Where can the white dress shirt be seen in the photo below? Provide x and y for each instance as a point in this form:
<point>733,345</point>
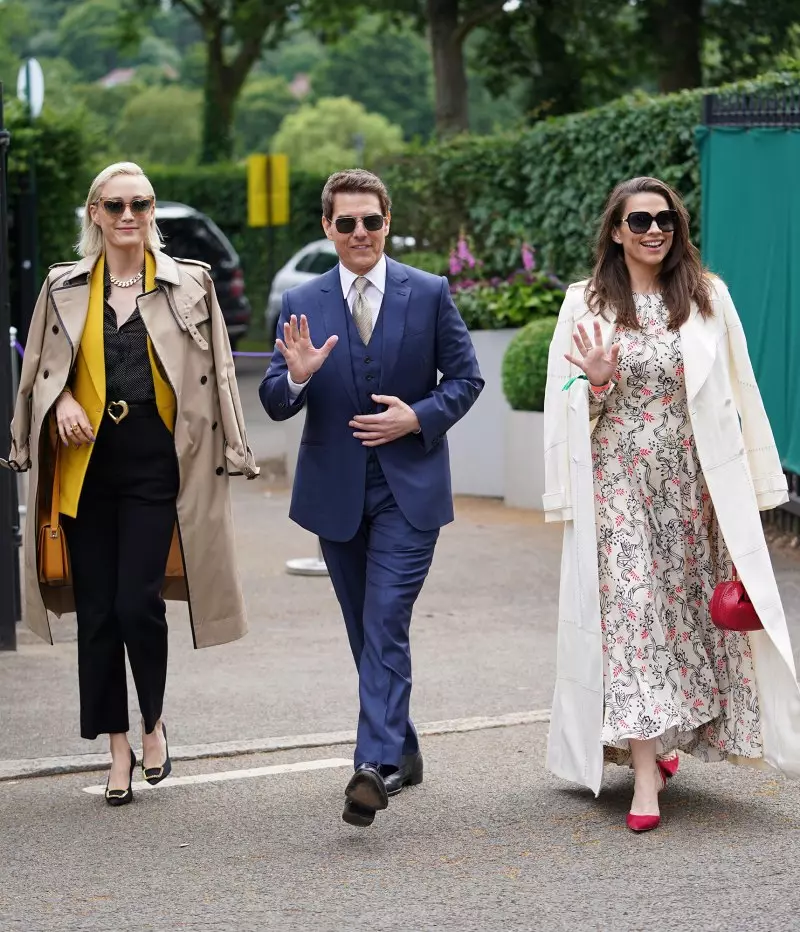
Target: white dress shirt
<point>376,277</point>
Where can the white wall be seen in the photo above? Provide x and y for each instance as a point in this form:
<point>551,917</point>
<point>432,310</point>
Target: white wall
<point>478,441</point>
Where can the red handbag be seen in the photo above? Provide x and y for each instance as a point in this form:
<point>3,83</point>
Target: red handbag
<point>731,608</point>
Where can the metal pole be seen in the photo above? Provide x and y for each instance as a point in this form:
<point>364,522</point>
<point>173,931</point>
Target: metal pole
<point>9,566</point>
<point>28,234</point>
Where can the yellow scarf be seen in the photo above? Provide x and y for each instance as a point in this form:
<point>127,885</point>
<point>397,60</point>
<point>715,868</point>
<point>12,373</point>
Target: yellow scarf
<point>89,385</point>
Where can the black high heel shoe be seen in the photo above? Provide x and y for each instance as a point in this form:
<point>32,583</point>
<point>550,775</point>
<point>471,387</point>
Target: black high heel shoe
<point>122,797</point>
<point>155,775</point>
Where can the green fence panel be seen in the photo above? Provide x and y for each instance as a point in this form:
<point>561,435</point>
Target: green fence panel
<point>751,239</point>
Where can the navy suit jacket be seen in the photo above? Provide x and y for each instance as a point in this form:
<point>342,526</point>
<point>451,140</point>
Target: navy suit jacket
<point>423,334</point>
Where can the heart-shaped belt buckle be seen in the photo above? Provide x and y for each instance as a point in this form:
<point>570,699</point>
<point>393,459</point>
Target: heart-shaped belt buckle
<point>122,407</point>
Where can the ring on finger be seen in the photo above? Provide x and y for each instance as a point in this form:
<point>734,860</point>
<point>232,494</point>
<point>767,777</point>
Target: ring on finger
<point>74,427</point>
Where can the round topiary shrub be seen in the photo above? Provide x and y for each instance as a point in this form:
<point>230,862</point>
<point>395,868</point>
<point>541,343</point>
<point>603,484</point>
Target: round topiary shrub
<point>525,365</point>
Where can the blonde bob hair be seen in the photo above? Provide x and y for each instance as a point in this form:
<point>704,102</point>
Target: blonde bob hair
<point>91,239</point>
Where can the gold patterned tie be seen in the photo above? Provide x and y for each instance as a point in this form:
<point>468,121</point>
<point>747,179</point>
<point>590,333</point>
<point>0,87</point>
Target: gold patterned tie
<point>362,312</point>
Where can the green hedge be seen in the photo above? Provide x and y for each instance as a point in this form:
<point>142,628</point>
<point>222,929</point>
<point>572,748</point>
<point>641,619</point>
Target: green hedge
<point>59,143</point>
<point>547,185</point>
<point>524,369</point>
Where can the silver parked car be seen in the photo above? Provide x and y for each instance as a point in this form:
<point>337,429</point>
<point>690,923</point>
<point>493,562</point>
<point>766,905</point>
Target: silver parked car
<point>314,259</point>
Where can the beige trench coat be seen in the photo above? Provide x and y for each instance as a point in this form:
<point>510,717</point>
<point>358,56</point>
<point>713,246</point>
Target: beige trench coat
<point>743,472</point>
<point>186,327</point>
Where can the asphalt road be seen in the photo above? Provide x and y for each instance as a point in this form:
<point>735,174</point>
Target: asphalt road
<point>490,840</point>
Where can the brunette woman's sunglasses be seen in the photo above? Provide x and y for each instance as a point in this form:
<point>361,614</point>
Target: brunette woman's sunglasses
<point>640,221</point>
<point>372,223</point>
<point>115,206</point>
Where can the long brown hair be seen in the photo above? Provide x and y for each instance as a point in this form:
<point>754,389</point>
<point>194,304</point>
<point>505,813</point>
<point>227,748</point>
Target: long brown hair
<point>682,278</point>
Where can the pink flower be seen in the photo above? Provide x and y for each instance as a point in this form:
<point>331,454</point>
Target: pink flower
<point>455,265</point>
<point>528,257</point>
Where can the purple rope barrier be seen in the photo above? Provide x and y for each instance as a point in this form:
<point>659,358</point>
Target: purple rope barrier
<point>21,350</point>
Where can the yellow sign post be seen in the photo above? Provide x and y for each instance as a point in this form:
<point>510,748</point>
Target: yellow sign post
<point>267,190</point>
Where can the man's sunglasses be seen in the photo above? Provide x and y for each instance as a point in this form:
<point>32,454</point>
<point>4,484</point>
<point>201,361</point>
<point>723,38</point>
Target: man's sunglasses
<point>372,223</point>
<point>640,221</point>
<point>115,206</point>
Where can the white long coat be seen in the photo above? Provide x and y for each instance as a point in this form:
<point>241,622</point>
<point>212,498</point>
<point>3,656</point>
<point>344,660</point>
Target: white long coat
<point>743,473</point>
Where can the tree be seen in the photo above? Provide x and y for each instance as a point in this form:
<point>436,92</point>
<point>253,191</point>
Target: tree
<point>324,137</point>
<point>400,89</point>
<point>569,55</point>
<point>448,24</point>
<point>89,38</point>
<point>160,125</point>
<point>263,105</point>
<point>235,33</point>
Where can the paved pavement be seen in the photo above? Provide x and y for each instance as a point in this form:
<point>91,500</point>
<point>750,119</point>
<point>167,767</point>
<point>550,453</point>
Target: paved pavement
<point>489,841</point>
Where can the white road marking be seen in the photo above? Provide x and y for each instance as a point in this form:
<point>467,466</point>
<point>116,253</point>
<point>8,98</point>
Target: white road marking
<point>233,774</point>
<point>82,763</point>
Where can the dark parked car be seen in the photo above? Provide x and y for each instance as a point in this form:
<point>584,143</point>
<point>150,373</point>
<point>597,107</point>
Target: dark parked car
<point>189,234</point>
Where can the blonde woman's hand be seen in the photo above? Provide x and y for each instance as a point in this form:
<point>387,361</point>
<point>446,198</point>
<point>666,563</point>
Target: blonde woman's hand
<point>73,424</point>
<point>596,364</point>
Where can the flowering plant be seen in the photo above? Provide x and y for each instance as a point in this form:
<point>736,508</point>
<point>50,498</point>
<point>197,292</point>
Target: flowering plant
<point>499,302</point>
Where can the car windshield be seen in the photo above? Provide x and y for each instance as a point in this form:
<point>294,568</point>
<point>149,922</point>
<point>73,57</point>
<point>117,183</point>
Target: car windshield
<point>191,238</point>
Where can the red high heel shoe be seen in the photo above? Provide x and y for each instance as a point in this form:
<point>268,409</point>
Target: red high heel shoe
<point>646,823</point>
<point>642,823</point>
<point>668,767</point>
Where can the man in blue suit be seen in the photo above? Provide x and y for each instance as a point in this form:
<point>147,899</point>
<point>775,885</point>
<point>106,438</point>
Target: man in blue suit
<point>373,472</point>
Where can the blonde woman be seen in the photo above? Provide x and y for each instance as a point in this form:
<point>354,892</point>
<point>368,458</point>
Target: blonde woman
<point>128,399</point>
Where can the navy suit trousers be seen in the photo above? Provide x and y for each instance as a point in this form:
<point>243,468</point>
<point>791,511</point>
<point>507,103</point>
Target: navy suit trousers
<point>377,576</point>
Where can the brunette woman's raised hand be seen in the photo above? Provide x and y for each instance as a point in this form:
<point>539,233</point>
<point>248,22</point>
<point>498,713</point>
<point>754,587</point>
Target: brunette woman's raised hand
<point>597,364</point>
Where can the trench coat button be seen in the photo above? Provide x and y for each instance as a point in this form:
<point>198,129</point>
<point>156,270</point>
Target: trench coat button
<point>55,328</point>
<point>220,470</point>
<point>203,380</point>
<point>46,374</point>
<point>214,426</point>
<point>727,401</point>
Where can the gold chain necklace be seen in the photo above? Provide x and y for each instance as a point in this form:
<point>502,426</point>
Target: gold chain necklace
<point>126,282</point>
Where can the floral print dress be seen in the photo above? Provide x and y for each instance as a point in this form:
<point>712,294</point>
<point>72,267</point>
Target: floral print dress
<point>670,674</point>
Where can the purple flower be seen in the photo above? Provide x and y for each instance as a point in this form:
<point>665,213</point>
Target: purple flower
<point>463,252</point>
<point>528,257</point>
<point>455,264</point>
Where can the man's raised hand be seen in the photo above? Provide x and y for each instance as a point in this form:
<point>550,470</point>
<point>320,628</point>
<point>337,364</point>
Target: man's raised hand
<point>303,359</point>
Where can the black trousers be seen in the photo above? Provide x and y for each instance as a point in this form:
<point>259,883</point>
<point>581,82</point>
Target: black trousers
<point>118,544</point>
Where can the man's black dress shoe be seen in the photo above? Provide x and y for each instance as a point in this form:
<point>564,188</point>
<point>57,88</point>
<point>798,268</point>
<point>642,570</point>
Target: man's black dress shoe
<point>365,793</point>
<point>357,815</point>
<point>408,774</point>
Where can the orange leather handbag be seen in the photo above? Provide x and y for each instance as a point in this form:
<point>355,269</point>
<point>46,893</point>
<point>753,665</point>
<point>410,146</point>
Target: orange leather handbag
<point>52,546</point>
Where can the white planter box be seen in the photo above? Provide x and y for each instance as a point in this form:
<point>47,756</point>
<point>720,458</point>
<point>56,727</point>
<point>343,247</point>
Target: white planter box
<point>477,442</point>
<point>524,459</point>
